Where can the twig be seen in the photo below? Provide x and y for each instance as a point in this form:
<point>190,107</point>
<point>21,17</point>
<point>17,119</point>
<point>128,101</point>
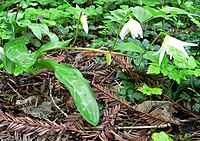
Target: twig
<point>54,103</point>
<point>132,127</point>
<point>144,127</point>
<point>15,91</point>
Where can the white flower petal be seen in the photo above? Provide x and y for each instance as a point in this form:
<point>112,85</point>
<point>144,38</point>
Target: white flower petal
<point>84,23</point>
<point>162,53</point>
<point>1,50</point>
<point>172,42</point>
<point>131,26</point>
<point>158,52</point>
<point>189,44</point>
<point>181,48</point>
<point>124,31</point>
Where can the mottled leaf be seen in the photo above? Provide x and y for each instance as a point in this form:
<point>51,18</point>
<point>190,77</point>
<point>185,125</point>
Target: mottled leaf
<point>79,88</point>
<point>17,52</point>
<point>81,92</point>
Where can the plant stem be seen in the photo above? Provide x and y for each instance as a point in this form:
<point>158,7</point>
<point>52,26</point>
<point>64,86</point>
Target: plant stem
<point>141,55</point>
<point>120,26</point>
<point>101,51</point>
<point>76,32</point>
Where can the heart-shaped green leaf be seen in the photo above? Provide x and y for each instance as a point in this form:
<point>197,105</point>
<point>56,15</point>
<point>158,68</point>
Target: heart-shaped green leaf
<point>141,14</point>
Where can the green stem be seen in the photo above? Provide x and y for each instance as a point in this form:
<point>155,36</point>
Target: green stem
<point>120,26</point>
<point>76,32</point>
<point>192,84</point>
<point>101,51</point>
<point>141,55</point>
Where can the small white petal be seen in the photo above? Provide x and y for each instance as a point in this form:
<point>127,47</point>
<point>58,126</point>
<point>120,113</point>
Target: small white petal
<point>84,23</point>
<point>162,53</point>
<point>1,50</point>
<point>189,44</point>
<point>181,48</point>
<point>136,28</point>
<point>124,31</point>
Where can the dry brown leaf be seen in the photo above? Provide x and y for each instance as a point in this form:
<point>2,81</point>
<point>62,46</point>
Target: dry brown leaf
<point>161,109</point>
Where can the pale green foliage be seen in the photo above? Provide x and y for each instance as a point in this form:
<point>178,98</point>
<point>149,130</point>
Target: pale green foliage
<point>145,89</point>
<point>161,136</point>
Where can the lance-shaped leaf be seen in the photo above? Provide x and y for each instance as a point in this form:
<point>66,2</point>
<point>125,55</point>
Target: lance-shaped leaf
<point>79,88</point>
<point>81,92</point>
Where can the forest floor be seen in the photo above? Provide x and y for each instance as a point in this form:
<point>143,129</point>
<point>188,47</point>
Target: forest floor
<point>31,110</point>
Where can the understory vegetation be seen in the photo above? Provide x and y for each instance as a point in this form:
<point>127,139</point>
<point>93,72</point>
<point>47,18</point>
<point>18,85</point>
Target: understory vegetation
<point>100,70</point>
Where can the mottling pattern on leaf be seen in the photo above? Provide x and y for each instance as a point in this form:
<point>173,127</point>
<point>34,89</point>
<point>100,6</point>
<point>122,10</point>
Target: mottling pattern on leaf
<point>17,52</point>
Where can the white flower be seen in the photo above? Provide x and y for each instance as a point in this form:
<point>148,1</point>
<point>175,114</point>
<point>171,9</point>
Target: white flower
<point>1,50</point>
<point>172,42</point>
<point>1,53</point>
<point>84,22</point>
<point>132,26</point>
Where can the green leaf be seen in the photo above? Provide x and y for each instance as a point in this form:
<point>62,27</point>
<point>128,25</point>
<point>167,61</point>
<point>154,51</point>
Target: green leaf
<point>194,20</point>
<point>154,12</point>
<point>45,30</point>
<point>164,71</point>
<point>52,46</point>
<point>149,91</point>
<point>153,69</point>
<point>196,107</point>
<point>129,46</point>
<point>45,2</point>
<point>141,14</point>
<point>81,92</point>
<point>79,88</point>
<point>149,55</point>
<point>49,64</point>
<point>162,136</point>
<point>79,1</point>
<point>7,3</point>
<point>17,52</point>
<point>174,10</point>
<point>197,72</point>
<point>8,65</point>
<point>150,2</point>
<point>18,70</point>
<point>191,63</point>
<point>38,29</point>
<point>138,96</point>
<point>173,74</point>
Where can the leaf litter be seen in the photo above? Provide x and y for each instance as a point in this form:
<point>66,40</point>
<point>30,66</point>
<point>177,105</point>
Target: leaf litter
<point>33,116</point>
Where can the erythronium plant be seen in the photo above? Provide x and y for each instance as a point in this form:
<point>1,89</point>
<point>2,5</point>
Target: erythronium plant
<point>17,59</point>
